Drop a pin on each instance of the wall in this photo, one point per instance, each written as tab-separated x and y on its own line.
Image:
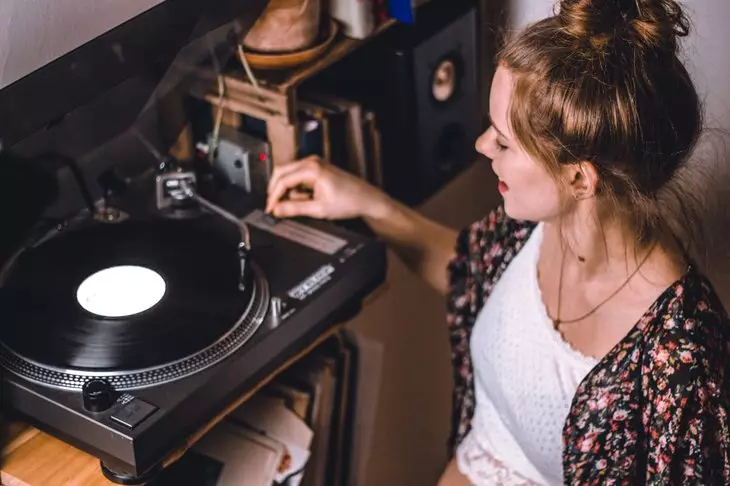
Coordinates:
708	59
35	32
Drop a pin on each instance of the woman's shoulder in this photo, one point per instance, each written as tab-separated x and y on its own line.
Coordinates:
692	331
692	300
684	379
494	232
482	251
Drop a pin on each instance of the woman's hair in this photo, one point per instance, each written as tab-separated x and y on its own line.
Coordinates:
600	81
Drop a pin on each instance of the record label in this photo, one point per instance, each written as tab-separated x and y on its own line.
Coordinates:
121	291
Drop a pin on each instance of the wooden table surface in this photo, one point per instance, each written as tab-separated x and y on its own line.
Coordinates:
32	458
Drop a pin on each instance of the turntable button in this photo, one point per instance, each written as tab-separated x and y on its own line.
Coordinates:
98	395
133	413
276	308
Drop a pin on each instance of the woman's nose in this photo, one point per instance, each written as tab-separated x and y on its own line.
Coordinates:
483	146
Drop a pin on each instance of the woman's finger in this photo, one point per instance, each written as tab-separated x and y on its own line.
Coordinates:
305	175
290	208
284	169
299	194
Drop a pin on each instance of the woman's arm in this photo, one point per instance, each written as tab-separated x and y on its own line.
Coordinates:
424	245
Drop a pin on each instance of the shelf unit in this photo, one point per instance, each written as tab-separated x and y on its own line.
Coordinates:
275	99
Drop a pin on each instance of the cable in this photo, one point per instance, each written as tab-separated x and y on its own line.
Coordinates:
218	120
248	70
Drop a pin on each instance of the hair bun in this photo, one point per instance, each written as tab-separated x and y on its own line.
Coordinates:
649	24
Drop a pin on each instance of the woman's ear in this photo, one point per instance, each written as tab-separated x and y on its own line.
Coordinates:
583	180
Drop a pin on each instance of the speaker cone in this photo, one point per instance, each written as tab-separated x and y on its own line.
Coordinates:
444	80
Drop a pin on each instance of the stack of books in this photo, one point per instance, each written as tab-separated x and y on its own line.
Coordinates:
342	132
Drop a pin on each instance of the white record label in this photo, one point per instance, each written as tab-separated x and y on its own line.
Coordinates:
121	291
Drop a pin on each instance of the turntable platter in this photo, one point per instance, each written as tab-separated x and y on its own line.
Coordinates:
127	299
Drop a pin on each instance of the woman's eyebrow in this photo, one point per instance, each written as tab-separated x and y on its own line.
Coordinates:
500	132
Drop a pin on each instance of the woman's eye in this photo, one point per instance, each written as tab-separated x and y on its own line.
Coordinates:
500	146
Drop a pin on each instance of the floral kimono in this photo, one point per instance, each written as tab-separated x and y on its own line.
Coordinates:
654	410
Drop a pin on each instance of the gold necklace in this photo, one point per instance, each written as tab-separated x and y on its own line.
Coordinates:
557	321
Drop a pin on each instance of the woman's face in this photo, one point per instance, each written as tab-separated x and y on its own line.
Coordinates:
529	191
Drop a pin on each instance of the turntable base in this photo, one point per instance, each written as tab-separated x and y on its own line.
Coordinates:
30	457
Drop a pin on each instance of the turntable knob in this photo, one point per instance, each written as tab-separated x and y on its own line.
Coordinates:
98	395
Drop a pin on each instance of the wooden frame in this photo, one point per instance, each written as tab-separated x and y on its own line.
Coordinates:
274	100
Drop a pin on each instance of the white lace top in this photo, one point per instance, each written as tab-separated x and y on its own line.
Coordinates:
525	377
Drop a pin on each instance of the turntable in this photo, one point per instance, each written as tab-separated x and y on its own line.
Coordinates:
137	322
125	336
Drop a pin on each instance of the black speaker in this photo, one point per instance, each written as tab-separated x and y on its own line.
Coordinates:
422	82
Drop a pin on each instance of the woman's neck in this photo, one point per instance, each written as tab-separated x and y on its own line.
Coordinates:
594	245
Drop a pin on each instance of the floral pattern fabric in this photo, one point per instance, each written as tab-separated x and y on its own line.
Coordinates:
654	410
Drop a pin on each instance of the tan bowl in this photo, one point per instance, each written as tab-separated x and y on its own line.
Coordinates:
288	60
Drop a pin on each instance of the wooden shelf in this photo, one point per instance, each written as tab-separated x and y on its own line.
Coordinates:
275	85
275	100
286	80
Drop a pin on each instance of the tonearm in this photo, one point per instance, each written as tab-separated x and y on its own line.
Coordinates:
181	186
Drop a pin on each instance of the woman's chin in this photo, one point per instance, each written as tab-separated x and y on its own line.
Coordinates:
510	209
521	213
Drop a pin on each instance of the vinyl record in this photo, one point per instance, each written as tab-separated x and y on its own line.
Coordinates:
125	296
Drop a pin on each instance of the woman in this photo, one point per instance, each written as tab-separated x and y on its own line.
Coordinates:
587	347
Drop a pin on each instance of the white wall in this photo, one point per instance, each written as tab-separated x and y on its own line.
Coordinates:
35	32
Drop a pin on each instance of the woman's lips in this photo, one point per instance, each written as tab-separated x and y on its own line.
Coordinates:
502	187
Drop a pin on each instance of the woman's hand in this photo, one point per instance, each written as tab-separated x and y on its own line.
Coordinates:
335	194
424	245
